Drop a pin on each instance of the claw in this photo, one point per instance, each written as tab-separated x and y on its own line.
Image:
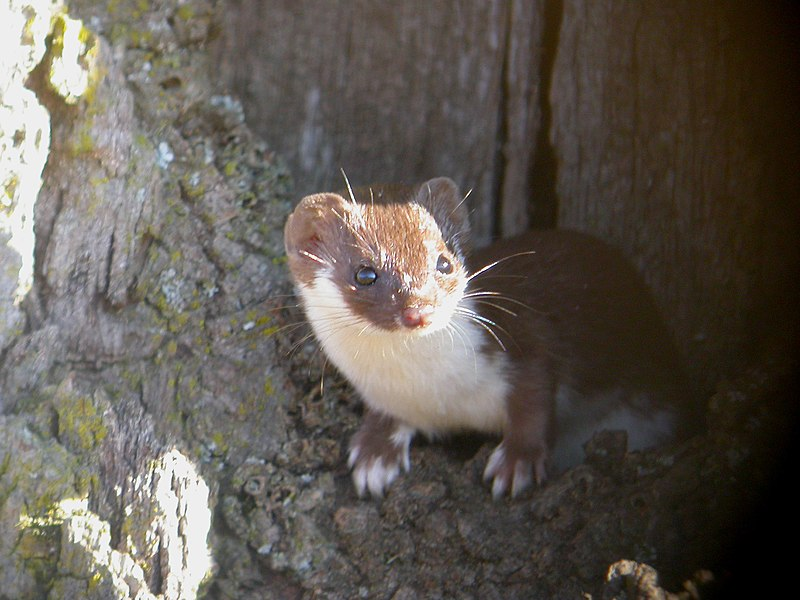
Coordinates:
510	471
375	469
375	476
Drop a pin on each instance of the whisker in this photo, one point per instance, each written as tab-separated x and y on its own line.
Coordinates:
498	296
484	322
452	335
349	187
457	206
498	307
283	307
297	345
498	261
313	257
360	229
458	329
288	328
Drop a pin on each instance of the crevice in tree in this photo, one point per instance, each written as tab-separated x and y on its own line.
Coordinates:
36	300
109	267
544	167
501	135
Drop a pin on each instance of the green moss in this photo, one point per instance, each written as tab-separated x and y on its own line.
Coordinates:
141	7
80	424
10	188
132	379
220	441
84	144
6	488
94	581
34	547
178	322
47	505
142	142
140	38
185	12
86	482
254	404
120	33
270	331
192	188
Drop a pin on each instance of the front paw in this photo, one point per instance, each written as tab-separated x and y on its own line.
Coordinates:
376	460
514	470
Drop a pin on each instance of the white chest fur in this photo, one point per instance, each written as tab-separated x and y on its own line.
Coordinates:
442	381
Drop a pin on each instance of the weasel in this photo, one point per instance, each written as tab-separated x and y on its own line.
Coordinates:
549	337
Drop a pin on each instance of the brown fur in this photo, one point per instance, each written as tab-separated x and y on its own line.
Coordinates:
557	311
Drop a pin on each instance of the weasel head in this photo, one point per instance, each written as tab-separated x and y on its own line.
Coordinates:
388	258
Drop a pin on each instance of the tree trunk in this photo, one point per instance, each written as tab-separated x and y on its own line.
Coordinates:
147	349
393	92
670	125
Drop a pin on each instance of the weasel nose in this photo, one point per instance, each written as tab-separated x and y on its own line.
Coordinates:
413	316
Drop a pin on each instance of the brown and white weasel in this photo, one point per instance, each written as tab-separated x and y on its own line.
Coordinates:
552	337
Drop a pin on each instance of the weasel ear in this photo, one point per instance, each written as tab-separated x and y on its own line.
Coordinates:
311	225
441	197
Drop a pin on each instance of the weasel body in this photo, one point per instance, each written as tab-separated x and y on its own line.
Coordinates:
552	337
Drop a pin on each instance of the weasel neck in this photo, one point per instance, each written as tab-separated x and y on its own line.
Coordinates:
444	380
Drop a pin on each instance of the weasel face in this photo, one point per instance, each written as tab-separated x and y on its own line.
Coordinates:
391	263
396	272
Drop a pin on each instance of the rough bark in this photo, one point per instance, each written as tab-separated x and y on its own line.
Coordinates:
393	92
147	348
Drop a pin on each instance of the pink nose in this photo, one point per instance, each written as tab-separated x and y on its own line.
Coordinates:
413	316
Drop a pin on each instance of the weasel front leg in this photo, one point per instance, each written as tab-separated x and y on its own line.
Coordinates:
525	449
377	451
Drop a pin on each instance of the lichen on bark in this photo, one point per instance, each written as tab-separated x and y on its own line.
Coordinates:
142	354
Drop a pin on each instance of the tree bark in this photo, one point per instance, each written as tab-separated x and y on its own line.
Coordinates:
148	346
663	116
394	92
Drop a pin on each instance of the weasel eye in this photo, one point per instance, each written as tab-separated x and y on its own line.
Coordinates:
443	265
366	276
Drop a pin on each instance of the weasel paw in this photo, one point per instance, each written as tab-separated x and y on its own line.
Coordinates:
512	471
376	467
